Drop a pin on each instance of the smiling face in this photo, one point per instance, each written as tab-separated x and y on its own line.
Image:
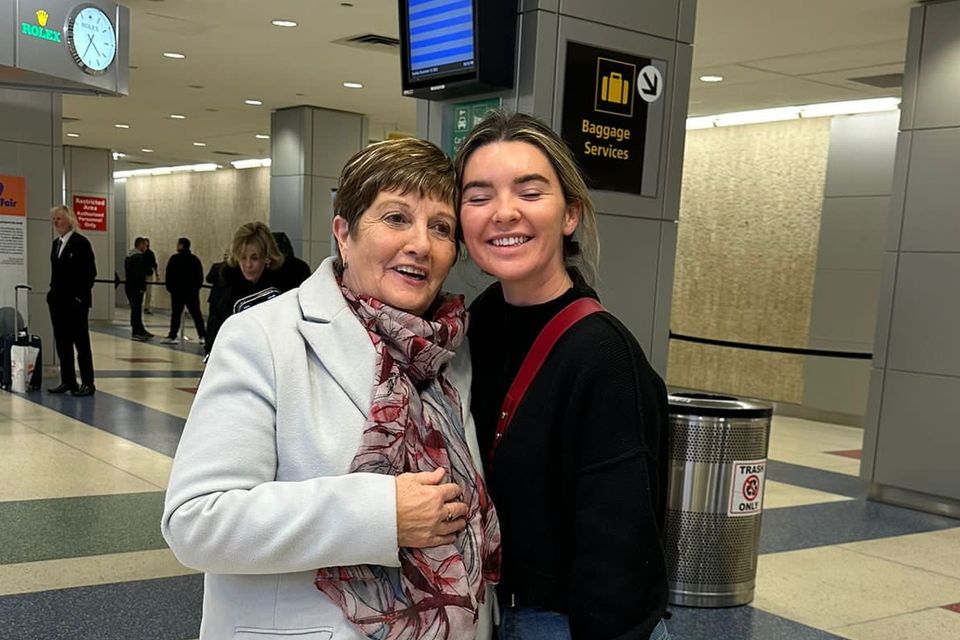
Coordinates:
400	251
515	216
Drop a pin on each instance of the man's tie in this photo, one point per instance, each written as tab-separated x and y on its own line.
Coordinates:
59	247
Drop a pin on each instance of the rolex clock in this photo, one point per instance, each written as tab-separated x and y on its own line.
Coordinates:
91	39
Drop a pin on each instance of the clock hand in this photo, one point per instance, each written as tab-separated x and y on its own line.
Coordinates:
92	44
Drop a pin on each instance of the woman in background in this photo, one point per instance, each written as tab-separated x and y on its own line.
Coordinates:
579	476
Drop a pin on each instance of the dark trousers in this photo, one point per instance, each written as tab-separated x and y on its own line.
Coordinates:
192	302
70	329
135	296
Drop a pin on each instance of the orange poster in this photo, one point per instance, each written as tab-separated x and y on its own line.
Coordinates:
13	196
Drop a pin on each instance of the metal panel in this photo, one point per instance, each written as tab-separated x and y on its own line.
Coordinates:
862	151
918	442
635	44
337	135
844	307
871	424
677	128
8	36
653	17
542	5
835	384
289	199
911	68
660	345
537	63
897	197
852	233
629	255
687	21
88	170
321	210
288	129
881	336
938	93
930	220
27	116
923	333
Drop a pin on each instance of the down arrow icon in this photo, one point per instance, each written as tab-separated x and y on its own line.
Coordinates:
651	83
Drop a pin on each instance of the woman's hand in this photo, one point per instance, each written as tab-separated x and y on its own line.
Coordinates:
428	513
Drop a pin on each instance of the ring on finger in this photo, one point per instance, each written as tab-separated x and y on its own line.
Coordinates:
449	514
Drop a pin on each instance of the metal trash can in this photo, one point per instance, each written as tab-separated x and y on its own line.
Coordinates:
718	457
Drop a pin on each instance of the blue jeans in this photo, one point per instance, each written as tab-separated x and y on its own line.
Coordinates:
525	623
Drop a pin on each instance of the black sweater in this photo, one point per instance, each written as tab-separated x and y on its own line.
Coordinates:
579	478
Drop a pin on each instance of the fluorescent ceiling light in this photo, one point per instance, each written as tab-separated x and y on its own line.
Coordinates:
120	125
353	85
178	116
251	164
163	171
703	122
117	155
283	23
147	150
849	107
199	144
262	136
73	135
711	78
173	55
254	103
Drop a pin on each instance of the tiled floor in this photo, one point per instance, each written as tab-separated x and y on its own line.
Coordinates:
81	491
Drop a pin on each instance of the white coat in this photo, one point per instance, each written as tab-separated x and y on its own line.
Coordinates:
259	495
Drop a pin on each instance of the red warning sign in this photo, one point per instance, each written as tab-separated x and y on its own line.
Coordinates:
91	212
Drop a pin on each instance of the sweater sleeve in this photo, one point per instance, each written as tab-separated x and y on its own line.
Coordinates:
618	568
225	511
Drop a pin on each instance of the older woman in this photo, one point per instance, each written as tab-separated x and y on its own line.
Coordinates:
251	269
327	478
579	473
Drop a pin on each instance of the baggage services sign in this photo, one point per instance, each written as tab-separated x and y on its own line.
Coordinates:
91	212
607	98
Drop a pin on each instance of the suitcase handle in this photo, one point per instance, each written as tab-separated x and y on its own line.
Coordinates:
16	309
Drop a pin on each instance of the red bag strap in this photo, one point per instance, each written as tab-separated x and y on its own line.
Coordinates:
558	325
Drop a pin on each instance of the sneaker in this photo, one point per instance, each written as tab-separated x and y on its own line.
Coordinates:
146	335
169	340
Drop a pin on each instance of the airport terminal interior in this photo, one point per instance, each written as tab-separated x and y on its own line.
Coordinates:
802	259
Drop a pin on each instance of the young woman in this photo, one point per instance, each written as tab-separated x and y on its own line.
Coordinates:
578	477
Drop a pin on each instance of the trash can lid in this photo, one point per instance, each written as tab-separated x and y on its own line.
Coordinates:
719	406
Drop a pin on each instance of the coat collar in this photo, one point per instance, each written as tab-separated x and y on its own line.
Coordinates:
336	336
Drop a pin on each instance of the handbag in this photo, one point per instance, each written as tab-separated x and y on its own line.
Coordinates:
541	348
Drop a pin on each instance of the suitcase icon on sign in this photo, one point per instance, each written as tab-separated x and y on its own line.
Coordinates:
615	89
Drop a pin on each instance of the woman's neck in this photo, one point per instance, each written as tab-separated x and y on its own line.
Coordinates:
538	289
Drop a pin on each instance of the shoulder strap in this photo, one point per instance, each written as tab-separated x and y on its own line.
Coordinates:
541	348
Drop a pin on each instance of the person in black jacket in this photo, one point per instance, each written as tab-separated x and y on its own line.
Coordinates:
135	285
153	270
579	476
184	280
294	270
251	268
73	270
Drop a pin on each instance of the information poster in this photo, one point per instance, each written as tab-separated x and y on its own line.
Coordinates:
13	246
607	99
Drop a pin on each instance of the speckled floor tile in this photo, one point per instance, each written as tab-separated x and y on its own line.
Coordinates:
829	588
929	624
737	623
806	442
63	573
777	495
160	394
934	551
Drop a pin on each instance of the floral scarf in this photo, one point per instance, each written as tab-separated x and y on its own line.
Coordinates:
415	425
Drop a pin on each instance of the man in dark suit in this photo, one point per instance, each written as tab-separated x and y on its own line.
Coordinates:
73	270
135	274
184	280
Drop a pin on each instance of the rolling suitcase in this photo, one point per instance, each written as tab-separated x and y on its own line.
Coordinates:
21	355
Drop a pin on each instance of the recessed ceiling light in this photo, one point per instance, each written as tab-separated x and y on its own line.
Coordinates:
262	136
353	85
147	150
195	86
255	103
117	155
174	55
73	135
711	78
199	144
283	23
178	116
120	125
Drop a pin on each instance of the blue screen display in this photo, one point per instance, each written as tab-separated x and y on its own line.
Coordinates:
441	36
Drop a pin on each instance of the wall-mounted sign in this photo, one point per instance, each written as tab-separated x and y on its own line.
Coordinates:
607	98
13	196
467	115
91	212
39	29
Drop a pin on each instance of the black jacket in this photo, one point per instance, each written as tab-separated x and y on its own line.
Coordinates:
579	478
235	287
135	271
184	273
73	272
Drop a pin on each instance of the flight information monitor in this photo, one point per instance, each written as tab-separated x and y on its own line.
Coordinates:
441	37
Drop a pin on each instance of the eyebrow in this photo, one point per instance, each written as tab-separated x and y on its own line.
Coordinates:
486	184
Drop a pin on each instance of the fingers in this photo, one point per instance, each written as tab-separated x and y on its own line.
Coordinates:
449	492
430	477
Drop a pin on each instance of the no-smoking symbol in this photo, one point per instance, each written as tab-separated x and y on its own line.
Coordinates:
751	487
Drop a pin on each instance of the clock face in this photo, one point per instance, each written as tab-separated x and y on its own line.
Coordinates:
91	39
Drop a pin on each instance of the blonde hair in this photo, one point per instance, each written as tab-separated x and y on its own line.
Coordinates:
67	213
502	126
259	235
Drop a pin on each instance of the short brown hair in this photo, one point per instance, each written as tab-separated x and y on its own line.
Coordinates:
502	126
257	234
404	165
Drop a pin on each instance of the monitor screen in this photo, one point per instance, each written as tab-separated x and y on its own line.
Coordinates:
441	37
